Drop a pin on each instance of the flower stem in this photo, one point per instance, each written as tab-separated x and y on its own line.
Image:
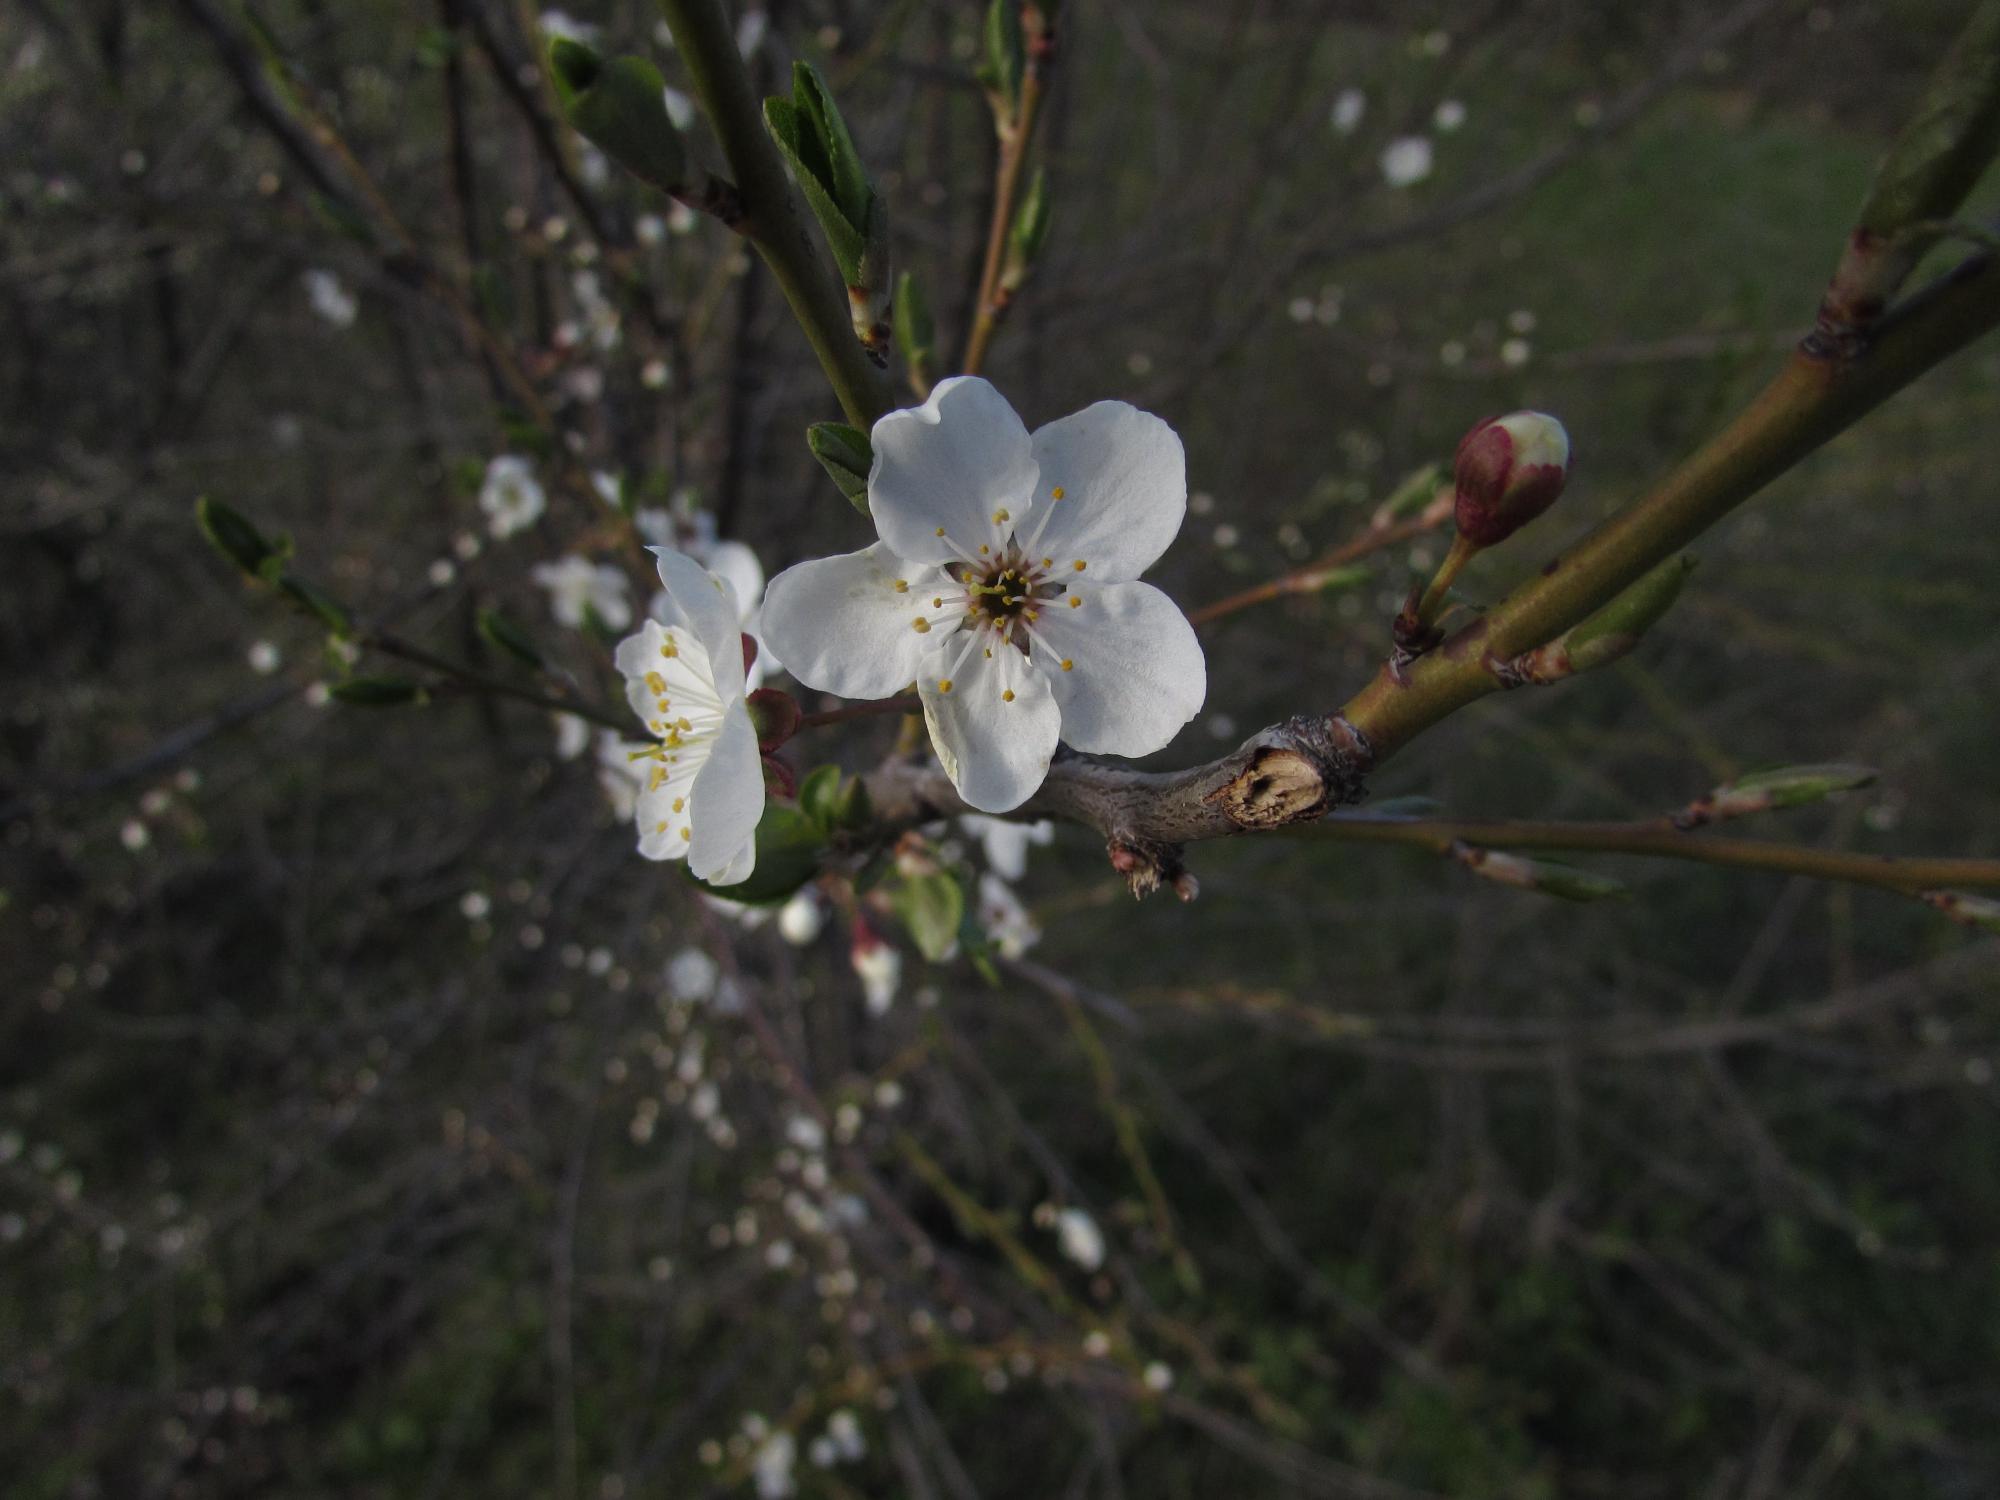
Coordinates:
907	704
1312	576
772	220
499	687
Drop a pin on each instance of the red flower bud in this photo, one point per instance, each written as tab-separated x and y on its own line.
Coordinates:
1508	471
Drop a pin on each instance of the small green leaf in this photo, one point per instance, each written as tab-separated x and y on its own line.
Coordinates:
932	908
1006	55
1615	629
846	454
1030	231
1412	493
380	691
819	792
1550	877
853	809
810	132
504	635
316	603
1790	786
789	849
232	534
620	107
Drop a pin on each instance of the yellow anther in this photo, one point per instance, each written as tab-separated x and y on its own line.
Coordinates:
1067	663
921	625
683	725
670	650
1075	600
989	653
1000	517
938	603
940	531
944	684
661	826
1048	562
1056	493
1078	565
687	833
656	779
1008	696
984	549
657	683
679	803
902	585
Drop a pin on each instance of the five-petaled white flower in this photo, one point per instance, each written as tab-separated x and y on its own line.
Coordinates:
579	588
511	496
704	790
1005	584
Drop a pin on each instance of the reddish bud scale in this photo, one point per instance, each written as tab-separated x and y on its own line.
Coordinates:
1507	472
774	714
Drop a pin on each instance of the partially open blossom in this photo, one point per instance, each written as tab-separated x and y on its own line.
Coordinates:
686	526
1508	471
1005	585
511	496
579	588
704	780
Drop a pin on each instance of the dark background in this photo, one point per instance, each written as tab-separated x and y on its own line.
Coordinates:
312	1184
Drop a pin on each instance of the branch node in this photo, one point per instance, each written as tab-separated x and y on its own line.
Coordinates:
1305	766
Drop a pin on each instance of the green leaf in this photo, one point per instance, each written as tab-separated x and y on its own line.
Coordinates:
504	635
853	809
1412	493
846	454
1550	877
789	849
1951	138
813	137
232	534
316	603
381	691
932	908
620	107
1615	629
819	793
1006	53
1030	231
1794	786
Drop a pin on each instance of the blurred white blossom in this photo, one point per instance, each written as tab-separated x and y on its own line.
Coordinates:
579	588
1079	1238
1406	161
1349	105
511	496
330	299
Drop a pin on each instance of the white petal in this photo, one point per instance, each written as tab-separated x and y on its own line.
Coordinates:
664	829
955	462
995	749
666	661
840	624
727	800
1136	674
708	604
737	563
1124	481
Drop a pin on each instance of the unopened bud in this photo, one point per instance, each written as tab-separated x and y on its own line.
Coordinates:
1982	912
1508	471
1550	877
619	105
1767	791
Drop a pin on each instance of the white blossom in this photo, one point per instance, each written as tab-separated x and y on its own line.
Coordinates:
1006	843
579	588
680	108
686	525
843	1430
600	314
771	1467
511	496
573	736
800	919
692	976
1079	1238
1349	105
265	658
622	766
1008	925
750	30
330	299
880	969
1005	583
1406	161
704	789
1449	115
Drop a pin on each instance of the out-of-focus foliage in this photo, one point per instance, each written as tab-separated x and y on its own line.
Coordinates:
374	1122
